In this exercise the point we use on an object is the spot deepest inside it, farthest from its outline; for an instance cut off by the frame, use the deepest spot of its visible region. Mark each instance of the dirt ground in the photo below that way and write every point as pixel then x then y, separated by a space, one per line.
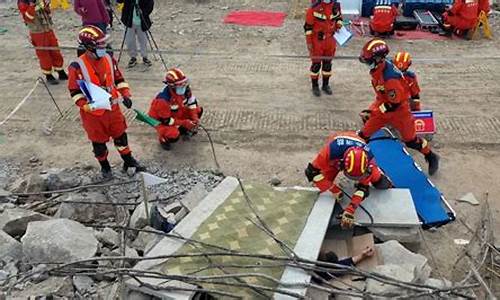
pixel 260 111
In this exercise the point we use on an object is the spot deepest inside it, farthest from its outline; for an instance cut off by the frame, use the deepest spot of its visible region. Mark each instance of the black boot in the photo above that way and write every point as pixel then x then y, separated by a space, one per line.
pixel 51 79
pixel 166 146
pixel 433 161
pixel 315 88
pixel 62 75
pixel 106 172
pixel 326 86
pixel 130 165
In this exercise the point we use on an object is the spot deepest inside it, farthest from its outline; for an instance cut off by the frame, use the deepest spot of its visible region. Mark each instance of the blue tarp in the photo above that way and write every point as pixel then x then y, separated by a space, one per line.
pixel 404 172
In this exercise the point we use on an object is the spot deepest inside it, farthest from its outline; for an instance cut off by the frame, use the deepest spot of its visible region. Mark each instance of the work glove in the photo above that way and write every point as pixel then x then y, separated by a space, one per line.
pixel 339 24
pixel 87 108
pixel 365 115
pixel 188 124
pixel 347 220
pixel 127 102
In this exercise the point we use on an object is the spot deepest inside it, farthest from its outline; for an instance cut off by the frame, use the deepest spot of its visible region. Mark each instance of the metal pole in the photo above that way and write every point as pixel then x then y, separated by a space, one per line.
pixel 50 94
pixel 123 44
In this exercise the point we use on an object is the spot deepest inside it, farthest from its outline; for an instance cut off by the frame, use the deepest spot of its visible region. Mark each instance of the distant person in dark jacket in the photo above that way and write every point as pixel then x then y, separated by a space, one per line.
pixel 135 16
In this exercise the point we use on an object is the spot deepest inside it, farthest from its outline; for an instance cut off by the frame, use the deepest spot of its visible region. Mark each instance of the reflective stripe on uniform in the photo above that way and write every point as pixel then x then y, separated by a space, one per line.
pixel 122 85
pixel 319 16
pixel 174 107
pixel 29 16
pixel 326 73
pixel 171 121
pixel 309 32
pixel 318 178
pixel 359 194
pixel 373 43
pixel 78 97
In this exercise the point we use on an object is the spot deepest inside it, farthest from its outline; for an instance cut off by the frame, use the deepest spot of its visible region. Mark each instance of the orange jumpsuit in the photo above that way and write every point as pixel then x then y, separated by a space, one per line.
pixel 391 107
pixel 462 15
pixel 328 162
pixel 39 22
pixel 176 112
pixel 322 21
pixel 413 89
pixel 101 125
pixel 383 18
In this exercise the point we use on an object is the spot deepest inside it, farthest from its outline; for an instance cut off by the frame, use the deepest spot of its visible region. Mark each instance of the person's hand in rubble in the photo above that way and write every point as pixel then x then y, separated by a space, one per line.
pixel 368 252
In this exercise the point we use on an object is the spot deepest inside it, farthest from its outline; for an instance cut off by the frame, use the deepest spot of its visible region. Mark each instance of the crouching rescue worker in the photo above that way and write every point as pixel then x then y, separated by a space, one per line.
pixel 323 19
pixel 98 67
pixel 384 16
pixel 37 17
pixel 346 152
pixel 402 60
pixel 176 108
pixel 461 17
pixel 391 103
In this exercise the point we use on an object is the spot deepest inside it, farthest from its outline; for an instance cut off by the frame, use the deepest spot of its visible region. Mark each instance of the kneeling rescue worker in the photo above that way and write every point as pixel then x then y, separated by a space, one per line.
pixel 402 60
pixel 391 104
pixel 98 67
pixel 461 17
pixel 176 108
pixel 346 152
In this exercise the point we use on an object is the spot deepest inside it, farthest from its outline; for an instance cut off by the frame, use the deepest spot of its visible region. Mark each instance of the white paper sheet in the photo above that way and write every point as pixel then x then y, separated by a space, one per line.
pixel 97 96
pixel 342 36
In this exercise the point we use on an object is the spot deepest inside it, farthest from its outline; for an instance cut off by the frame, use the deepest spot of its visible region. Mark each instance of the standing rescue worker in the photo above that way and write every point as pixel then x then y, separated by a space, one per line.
pixel 402 61
pixel 98 67
pixel 323 19
pixel 461 17
pixel 346 152
pixel 391 104
pixel 384 16
pixel 37 17
pixel 176 108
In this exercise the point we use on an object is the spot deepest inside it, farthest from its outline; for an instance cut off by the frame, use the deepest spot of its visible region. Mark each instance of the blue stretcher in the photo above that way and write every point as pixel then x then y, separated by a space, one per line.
pixel 397 163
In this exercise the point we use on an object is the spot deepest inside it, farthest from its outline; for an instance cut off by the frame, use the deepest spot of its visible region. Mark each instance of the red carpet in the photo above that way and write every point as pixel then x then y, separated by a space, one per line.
pixel 255 18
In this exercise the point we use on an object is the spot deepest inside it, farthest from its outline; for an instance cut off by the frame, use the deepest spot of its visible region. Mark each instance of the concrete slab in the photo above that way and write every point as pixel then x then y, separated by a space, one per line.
pixel 469 198
pixel 309 243
pixel 389 208
pixel 402 234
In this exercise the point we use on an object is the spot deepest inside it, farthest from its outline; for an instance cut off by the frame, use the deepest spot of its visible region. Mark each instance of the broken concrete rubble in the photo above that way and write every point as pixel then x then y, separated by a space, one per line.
pixel 85 212
pixel 399 272
pixel 58 240
pixel 53 286
pixel 58 179
pixel 145 240
pixel 107 236
pixel 9 247
pixel 15 221
pixel 139 218
pixel 392 252
pixel 402 235
pixel 194 196
pixel 84 284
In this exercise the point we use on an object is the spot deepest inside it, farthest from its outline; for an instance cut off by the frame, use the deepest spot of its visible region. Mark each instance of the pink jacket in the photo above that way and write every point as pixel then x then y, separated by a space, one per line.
pixel 92 11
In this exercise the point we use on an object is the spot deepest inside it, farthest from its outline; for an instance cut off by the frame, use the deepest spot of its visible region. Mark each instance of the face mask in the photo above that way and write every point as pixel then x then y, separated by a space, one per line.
pixel 327 1
pixel 100 52
pixel 180 90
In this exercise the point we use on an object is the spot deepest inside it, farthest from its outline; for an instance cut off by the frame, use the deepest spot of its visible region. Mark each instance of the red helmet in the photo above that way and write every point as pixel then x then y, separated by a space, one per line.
pixel 92 37
pixel 373 49
pixel 355 163
pixel 402 60
pixel 175 77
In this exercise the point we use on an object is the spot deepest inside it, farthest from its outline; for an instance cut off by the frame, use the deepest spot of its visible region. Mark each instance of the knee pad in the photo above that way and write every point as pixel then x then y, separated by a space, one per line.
pixel 315 67
pixel 100 150
pixel 121 141
pixel 327 65
pixel 311 172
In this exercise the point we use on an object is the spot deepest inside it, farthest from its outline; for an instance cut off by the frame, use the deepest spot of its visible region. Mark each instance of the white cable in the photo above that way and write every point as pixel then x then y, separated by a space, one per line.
pixel 20 103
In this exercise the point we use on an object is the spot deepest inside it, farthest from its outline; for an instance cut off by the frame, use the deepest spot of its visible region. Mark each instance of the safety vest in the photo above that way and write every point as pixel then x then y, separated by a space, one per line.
pixel 90 75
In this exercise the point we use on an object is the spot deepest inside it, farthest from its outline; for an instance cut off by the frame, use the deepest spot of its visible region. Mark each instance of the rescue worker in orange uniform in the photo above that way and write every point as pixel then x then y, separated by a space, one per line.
pixel 484 5
pixel 402 61
pixel 37 17
pixel 461 17
pixel 384 16
pixel 391 104
pixel 176 108
pixel 323 19
pixel 346 152
pixel 98 67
